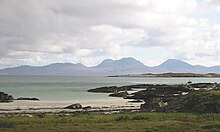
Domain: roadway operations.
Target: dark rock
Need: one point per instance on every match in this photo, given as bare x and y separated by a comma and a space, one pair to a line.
202, 85
110, 89
27, 98
17, 109
87, 108
171, 98
136, 101
153, 104
162, 91
5, 97
217, 108
74, 106
119, 94
199, 107
198, 101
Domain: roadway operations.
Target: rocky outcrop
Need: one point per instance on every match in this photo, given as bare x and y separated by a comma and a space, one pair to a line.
162, 89
110, 89
119, 94
196, 101
74, 106
189, 97
159, 91
27, 98
87, 108
136, 101
4, 97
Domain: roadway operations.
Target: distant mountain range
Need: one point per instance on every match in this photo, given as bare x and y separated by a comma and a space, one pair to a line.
109, 67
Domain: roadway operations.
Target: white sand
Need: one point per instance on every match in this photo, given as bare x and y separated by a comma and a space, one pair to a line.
56, 106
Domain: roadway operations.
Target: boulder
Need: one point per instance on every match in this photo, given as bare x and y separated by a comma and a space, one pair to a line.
5, 97
87, 108
74, 106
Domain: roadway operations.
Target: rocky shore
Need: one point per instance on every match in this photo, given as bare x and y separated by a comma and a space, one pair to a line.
189, 97
4, 97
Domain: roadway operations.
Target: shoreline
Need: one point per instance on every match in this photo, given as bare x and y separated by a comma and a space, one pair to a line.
55, 107
139, 97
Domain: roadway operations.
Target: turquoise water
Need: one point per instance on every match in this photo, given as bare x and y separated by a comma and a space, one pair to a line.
74, 88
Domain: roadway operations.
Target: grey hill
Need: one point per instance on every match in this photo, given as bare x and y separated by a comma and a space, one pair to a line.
109, 67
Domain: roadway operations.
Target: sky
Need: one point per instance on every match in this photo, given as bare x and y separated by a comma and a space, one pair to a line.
40, 32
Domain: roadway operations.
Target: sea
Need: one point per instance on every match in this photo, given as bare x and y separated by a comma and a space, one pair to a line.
57, 88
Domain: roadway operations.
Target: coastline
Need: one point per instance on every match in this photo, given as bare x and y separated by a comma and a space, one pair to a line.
139, 97
27, 106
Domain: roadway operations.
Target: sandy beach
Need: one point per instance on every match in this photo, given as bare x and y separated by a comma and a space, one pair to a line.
27, 106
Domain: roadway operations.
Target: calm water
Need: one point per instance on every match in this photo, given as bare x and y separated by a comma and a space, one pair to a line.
74, 88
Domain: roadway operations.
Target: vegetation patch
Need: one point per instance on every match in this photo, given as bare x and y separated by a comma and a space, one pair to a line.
142, 122
212, 126
7, 125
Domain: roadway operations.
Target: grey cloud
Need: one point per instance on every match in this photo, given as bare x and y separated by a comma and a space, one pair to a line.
211, 4
36, 31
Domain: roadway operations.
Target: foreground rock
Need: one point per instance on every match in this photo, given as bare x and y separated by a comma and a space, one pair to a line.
74, 106
4, 97
197, 101
204, 100
27, 98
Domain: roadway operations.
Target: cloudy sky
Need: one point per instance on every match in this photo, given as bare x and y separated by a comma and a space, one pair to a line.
40, 32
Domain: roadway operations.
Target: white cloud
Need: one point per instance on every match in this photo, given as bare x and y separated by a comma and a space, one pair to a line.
42, 32
215, 4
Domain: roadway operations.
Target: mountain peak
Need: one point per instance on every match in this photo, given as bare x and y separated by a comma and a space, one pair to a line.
129, 61
174, 64
106, 63
174, 60
56, 65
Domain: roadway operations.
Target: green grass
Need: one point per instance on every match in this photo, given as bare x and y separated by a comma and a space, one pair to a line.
113, 122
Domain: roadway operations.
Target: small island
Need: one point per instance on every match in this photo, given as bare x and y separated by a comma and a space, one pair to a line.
171, 74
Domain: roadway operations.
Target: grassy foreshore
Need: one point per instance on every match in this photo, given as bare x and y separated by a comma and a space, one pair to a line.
112, 122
